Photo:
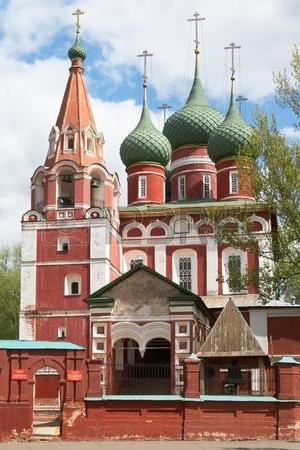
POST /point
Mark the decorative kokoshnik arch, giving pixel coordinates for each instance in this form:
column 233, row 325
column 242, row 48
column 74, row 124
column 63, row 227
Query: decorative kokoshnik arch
column 142, row 334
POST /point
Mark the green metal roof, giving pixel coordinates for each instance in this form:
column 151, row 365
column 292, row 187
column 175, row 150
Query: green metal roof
column 77, row 51
column 145, row 143
column 230, row 136
column 38, row 345
column 195, row 121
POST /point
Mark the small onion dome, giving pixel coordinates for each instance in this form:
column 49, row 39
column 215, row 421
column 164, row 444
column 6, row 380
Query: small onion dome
column 145, row 143
column 76, row 51
column 233, row 134
column 194, row 122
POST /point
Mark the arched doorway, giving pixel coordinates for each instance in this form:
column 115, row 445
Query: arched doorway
column 138, row 370
column 46, row 402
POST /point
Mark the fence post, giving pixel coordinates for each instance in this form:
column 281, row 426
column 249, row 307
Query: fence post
column 94, row 378
column 288, row 381
column 191, row 377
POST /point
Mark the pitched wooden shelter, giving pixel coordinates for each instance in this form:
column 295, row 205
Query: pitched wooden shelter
column 230, row 336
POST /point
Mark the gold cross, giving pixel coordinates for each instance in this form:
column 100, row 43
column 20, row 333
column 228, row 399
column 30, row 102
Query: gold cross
column 77, row 13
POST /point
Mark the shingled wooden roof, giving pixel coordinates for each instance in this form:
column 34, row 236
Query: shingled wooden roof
column 230, row 336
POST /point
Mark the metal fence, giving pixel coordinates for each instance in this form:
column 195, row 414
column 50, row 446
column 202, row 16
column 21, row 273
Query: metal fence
column 218, row 379
column 141, row 378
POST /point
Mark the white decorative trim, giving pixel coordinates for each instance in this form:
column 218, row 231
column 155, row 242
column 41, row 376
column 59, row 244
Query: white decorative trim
column 64, row 163
column 192, row 170
column 190, row 160
column 160, row 259
column 145, row 173
column 226, row 169
column 212, row 267
column 158, row 224
column 134, row 255
column 237, row 197
column 131, row 226
column 142, row 334
column 264, row 223
column 69, row 280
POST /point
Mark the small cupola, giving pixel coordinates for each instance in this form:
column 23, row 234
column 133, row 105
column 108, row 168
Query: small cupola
column 145, row 152
column 224, row 145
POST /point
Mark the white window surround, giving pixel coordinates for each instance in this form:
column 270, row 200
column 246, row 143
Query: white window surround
column 175, row 222
column 62, row 242
column 96, row 325
column 186, row 341
column 142, row 186
column 69, row 279
column 69, row 133
column 134, row 255
column 233, row 182
column 206, row 186
column 177, row 329
column 227, row 252
column 185, row 253
column 53, row 138
column 61, row 332
column 181, row 187
column 158, row 224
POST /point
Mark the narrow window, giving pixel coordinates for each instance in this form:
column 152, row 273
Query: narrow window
column 74, row 288
column 90, row 145
column 61, row 332
column 206, row 187
column 142, row 186
column 136, row 262
column 70, row 142
column 185, row 273
column 181, row 188
column 234, row 273
column 234, row 182
column 63, row 244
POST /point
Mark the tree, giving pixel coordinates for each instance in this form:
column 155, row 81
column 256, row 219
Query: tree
column 10, row 262
column 276, row 182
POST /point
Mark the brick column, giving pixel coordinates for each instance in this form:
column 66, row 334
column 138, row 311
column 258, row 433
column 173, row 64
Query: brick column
column 14, row 384
column 191, row 377
column 288, row 381
column 94, row 378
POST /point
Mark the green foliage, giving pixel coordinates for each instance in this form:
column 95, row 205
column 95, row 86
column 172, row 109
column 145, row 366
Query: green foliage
column 276, row 182
column 10, row 262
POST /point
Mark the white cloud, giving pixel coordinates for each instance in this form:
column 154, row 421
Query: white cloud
column 291, row 133
column 31, row 93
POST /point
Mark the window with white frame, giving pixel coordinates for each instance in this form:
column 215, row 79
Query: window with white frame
column 61, row 332
column 63, row 244
column 234, row 182
column 234, row 273
column 73, row 284
column 69, row 141
column 136, row 262
column 142, row 182
column 206, row 186
column 181, row 188
column 185, row 272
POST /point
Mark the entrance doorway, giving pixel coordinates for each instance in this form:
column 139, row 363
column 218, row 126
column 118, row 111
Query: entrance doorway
column 141, row 370
column 46, row 402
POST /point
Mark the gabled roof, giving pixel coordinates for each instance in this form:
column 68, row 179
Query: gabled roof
column 186, row 294
column 230, row 336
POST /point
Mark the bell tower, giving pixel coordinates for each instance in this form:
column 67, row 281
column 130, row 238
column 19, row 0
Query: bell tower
column 70, row 240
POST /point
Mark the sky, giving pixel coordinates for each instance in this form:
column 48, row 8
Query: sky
column 35, row 36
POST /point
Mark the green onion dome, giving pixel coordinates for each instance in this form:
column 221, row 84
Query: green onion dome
column 195, row 121
column 76, row 51
column 233, row 134
column 145, row 143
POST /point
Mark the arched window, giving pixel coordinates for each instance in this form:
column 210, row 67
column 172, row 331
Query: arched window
column 69, row 140
column 39, row 192
column 73, row 284
column 184, row 269
column 135, row 257
column 53, row 138
column 65, row 188
column 234, row 267
column 233, row 182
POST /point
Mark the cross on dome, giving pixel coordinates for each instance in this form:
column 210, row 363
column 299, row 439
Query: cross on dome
column 196, row 18
column 78, row 13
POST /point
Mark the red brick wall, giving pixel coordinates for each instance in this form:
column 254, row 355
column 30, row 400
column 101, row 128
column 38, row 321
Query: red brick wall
column 47, row 244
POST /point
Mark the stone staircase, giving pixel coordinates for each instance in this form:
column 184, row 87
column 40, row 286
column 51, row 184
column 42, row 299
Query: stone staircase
column 46, row 421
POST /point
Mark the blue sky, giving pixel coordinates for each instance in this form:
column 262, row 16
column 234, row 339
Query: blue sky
column 35, row 36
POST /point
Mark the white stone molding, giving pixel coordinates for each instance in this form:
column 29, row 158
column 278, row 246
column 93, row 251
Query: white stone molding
column 158, row 224
column 26, row 217
column 160, row 259
column 131, row 226
column 203, row 222
column 142, row 334
column 187, row 160
column 133, row 255
column 56, row 170
column 212, row 266
column 264, row 223
column 180, row 219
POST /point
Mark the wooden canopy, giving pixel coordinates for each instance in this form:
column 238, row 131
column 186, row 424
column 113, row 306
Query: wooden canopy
column 230, row 336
